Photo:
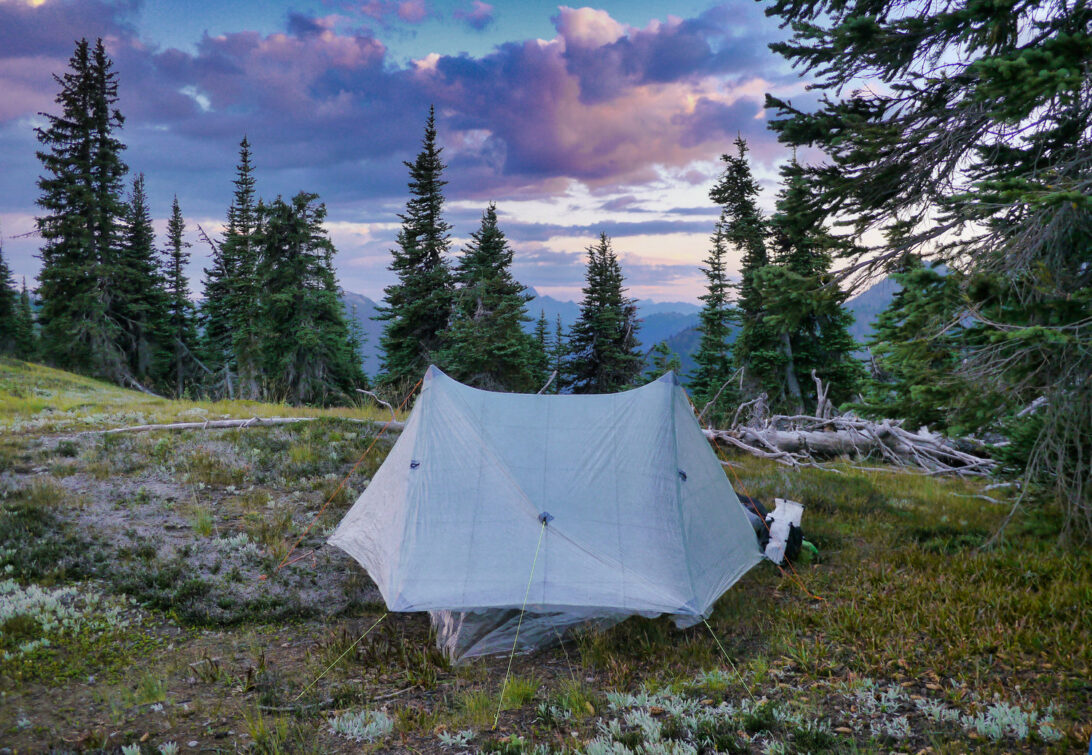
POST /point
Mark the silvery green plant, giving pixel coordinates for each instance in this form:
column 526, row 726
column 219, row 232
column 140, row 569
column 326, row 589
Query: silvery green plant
column 363, row 726
column 458, row 740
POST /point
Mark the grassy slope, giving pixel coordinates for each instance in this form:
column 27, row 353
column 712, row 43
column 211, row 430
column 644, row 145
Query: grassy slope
column 39, row 399
column 904, row 637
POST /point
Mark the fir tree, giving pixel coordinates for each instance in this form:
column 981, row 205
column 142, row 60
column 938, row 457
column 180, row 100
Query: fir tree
column 318, row 363
column 139, row 302
column 661, row 361
column 26, row 337
column 558, row 358
column 714, row 358
column 230, row 340
column 241, row 251
column 81, row 196
column 181, row 326
column 9, row 308
column 803, row 303
column 416, row 308
column 976, row 137
column 603, row 347
column 758, row 349
column 485, row 344
column 540, row 361
column 915, row 349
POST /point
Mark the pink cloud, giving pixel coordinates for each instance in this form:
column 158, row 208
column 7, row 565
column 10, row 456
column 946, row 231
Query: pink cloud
column 478, row 16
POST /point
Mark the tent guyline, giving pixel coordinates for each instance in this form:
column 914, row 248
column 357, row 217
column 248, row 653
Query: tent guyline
column 544, row 518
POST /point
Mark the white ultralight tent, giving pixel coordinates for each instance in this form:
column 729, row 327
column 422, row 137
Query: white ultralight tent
column 593, row 508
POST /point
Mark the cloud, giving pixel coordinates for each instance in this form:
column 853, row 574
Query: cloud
column 610, row 108
column 478, row 16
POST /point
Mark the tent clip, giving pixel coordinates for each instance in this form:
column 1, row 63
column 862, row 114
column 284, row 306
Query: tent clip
column 682, row 475
column 414, row 464
column 545, row 517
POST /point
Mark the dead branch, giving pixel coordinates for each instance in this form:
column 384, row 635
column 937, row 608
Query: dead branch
column 214, row 424
column 379, row 401
column 552, row 376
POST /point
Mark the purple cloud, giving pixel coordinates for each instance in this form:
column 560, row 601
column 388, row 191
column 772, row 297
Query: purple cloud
column 478, row 16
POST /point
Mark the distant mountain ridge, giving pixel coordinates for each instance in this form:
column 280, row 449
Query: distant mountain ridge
column 673, row 322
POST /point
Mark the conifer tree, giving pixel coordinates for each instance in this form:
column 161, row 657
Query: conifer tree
column 81, row 196
column 976, row 137
column 139, row 302
column 558, row 358
column 230, row 330
column 181, row 326
column 757, row 350
column 541, row 356
column 416, row 308
column 714, row 358
column 802, row 302
column 26, row 338
column 9, row 308
column 603, row 347
column 318, row 364
column 661, row 360
column 915, row 349
column 240, row 248
column 484, row 344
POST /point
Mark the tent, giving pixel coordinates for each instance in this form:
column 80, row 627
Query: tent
column 578, row 508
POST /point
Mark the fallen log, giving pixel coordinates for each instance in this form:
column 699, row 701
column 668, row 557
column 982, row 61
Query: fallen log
column 803, row 440
column 390, row 425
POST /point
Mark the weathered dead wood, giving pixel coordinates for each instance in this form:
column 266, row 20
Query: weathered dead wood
column 391, row 425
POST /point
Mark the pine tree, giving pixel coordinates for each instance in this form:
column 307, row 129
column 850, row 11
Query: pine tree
column 540, row 360
column 603, row 347
column 758, row 349
column 661, row 360
column 240, row 248
column 416, row 308
column 485, row 345
column 229, row 329
column 714, row 358
column 915, row 349
column 318, row 364
column 803, row 303
column 139, row 302
column 558, row 357
column 81, row 195
column 976, row 136
column 9, row 308
column 26, row 337
column 181, row 316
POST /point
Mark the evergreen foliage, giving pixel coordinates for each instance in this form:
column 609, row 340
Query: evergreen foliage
column 240, row 250
column 603, row 348
column 229, row 328
column 916, row 350
column 714, row 356
column 558, row 357
column 139, row 293
column 181, row 325
column 484, row 344
column 81, row 197
column 975, row 141
column 307, row 349
column 803, row 304
column 9, row 308
column 661, row 361
column 540, row 362
column 25, row 333
column 416, row 308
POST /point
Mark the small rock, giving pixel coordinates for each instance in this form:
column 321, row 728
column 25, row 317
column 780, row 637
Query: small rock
column 843, row 729
column 192, row 743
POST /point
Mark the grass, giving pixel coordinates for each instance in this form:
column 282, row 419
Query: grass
column 906, row 634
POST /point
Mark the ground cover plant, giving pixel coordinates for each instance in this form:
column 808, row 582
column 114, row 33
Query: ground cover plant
column 142, row 610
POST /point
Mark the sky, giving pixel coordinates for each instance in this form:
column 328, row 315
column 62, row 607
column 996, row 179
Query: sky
column 574, row 120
